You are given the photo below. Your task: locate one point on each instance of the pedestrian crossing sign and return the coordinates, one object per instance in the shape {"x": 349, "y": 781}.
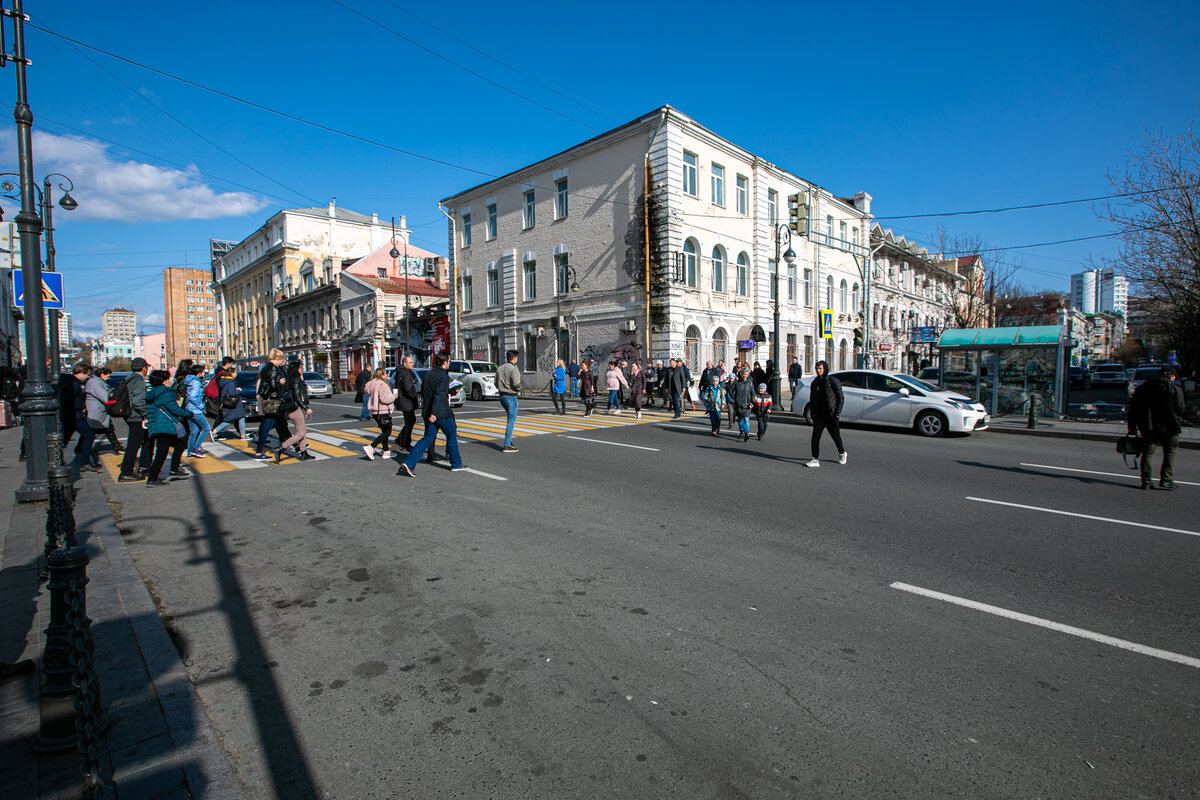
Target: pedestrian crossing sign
{"x": 52, "y": 289}
{"x": 825, "y": 323}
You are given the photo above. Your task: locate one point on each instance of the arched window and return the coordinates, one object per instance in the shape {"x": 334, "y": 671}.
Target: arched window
{"x": 692, "y": 348}
{"x": 720, "y": 341}
{"x": 829, "y": 293}
{"x": 743, "y": 276}
{"x": 690, "y": 249}
{"x": 842, "y": 350}
{"x": 718, "y": 269}
{"x": 842, "y": 289}
{"x": 855, "y": 305}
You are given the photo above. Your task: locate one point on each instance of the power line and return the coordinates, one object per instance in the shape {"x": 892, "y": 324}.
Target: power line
{"x": 1032, "y": 205}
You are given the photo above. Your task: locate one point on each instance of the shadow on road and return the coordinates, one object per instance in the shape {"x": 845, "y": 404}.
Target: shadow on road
{"x": 1075, "y": 478}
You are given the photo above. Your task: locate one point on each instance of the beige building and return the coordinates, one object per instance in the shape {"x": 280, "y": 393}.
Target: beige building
{"x": 298, "y": 249}
{"x": 190, "y": 309}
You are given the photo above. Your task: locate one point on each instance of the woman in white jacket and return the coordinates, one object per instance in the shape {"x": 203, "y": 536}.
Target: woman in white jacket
{"x": 381, "y": 402}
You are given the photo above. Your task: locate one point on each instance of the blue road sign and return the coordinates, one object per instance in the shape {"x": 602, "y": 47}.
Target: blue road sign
{"x": 52, "y": 289}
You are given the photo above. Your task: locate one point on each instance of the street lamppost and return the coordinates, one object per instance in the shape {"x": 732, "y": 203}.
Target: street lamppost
{"x": 68, "y": 203}
{"x": 567, "y": 273}
{"x": 395, "y": 254}
{"x": 783, "y": 235}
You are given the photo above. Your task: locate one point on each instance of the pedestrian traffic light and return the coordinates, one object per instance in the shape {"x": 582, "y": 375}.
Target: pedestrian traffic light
{"x": 858, "y": 338}
{"x": 798, "y": 213}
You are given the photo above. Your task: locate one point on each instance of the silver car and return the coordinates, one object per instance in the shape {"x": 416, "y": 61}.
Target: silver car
{"x": 878, "y": 397}
{"x": 318, "y": 384}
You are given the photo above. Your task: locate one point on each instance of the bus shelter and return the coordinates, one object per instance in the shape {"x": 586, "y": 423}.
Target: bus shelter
{"x": 1003, "y": 367}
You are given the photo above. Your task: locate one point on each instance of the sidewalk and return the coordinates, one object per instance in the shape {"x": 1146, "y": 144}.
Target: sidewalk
{"x": 1097, "y": 431}
{"x": 159, "y": 743}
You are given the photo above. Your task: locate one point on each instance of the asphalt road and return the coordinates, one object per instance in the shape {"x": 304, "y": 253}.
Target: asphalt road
{"x": 647, "y": 611}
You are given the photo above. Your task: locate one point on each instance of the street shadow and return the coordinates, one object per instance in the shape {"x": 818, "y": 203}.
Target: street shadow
{"x": 1076, "y": 478}
{"x": 745, "y": 450}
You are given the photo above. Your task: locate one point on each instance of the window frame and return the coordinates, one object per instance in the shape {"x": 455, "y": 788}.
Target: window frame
{"x": 492, "y": 225}
{"x": 529, "y": 279}
{"x": 561, "y": 199}
{"x": 493, "y": 287}
{"x": 718, "y": 269}
{"x": 742, "y": 190}
{"x": 717, "y": 181}
{"x": 468, "y": 297}
{"x": 691, "y": 174}
{"x": 691, "y": 258}
{"x": 743, "y": 277}
{"x": 529, "y": 209}
{"x": 466, "y": 231}
{"x": 772, "y": 207}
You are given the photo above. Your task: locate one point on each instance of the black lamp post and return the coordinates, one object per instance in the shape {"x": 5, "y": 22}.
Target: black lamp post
{"x": 567, "y": 272}
{"x": 68, "y": 203}
{"x": 782, "y": 234}
{"x": 39, "y": 407}
{"x": 395, "y": 254}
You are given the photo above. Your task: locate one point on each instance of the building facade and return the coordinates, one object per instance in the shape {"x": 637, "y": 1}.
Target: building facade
{"x": 658, "y": 240}
{"x": 295, "y": 247}
{"x": 189, "y": 307}
{"x": 1100, "y": 291}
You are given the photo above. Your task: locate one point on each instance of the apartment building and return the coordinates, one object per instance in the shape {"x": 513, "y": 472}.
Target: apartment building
{"x": 189, "y": 307}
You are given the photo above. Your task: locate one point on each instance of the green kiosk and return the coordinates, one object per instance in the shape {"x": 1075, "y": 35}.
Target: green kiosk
{"x": 1002, "y": 367}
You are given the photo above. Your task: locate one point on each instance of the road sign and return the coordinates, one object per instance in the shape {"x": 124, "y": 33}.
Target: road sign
{"x": 52, "y": 289}
{"x": 825, "y": 320}
{"x": 885, "y": 347}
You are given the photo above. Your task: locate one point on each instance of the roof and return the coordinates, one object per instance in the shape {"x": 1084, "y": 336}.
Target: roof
{"x": 967, "y": 261}
{"x": 417, "y": 287}
{"x": 379, "y": 258}
{"x": 340, "y": 214}
{"x": 991, "y": 338}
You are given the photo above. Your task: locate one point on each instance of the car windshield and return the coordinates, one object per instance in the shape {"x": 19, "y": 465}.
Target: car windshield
{"x": 483, "y": 366}
{"x": 1147, "y": 374}
{"x": 1109, "y": 368}
{"x": 917, "y": 382}
{"x": 313, "y": 376}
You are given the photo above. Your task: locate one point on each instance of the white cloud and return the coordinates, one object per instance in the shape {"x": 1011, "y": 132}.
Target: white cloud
{"x": 114, "y": 189}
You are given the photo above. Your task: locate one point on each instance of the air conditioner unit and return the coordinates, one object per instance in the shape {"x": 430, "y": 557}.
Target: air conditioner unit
{"x": 540, "y": 331}
{"x": 560, "y": 322}
{"x": 629, "y": 326}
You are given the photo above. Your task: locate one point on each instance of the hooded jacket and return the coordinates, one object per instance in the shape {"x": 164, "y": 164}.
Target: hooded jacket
{"x": 825, "y": 394}
{"x": 162, "y": 409}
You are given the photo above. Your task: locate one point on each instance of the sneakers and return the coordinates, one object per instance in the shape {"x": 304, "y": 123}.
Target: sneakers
{"x": 638, "y": 414}
{"x": 197, "y": 454}
{"x": 405, "y": 469}
{"x": 1147, "y": 486}
{"x": 156, "y": 482}
{"x": 370, "y": 451}
{"x": 261, "y": 457}
{"x": 123, "y": 478}
{"x": 1166, "y": 486}
{"x": 508, "y": 448}
{"x": 461, "y": 468}
{"x": 178, "y": 475}
{"x": 841, "y": 458}
{"x": 212, "y": 435}
{"x": 812, "y": 462}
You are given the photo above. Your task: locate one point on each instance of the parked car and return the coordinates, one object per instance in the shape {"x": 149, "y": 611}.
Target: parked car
{"x": 1079, "y": 377}
{"x": 247, "y": 384}
{"x": 878, "y": 397}
{"x": 318, "y": 384}
{"x": 930, "y": 375}
{"x": 478, "y": 377}
{"x": 457, "y": 397}
{"x": 1108, "y": 375}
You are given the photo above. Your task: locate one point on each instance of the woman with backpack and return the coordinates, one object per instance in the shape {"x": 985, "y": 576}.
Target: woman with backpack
{"x": 229, "y": 398}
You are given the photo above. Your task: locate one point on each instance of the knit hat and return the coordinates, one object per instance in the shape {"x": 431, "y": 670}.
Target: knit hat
{"x": 762, "y": 387}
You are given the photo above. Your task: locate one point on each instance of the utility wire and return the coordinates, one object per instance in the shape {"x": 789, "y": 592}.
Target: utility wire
{"x": 1031, "y": 205}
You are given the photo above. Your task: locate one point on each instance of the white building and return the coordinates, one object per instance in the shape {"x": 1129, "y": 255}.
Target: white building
{"x": 1100, "y": 291}
{"x": 579, "y": 255}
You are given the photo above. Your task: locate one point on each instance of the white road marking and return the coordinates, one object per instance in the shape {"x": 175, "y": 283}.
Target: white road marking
{"x": 1132, "y": 475}
{"x": 1166, "y": 655}
{"x": 485, "y": 474}
{"x": 1085, "y": 516}
{"x": 697, "y": 427}
{"x": 601, "y": 441}
{"x": 333, "y": 440}
{"x": 232, "y": 455}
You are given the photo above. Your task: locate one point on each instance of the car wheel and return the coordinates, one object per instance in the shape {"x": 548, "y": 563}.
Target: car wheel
{"x": 808, "y": 414}
{"x": 931, "y": 423}
{"x": 476, "y": 392}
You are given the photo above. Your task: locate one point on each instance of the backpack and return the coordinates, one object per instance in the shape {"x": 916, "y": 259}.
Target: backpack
{"x": 119, "y": 403}
{"x": 212, "y": 391}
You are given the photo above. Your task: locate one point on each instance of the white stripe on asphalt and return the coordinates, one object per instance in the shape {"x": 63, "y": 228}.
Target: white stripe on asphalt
{"x": 1166, "y": 655}
{"x": 234, "y": 456}
{"x": 1131, "y": 475}
{"x": 601, "y": 441}
{"x": 1085, "y": 516}
{"x": 484, "y": 474}
{"x": 325, "y": 438}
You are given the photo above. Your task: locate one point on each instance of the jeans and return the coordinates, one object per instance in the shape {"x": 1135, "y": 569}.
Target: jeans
{"x": 677, "y": 404}
{"x": 199, "y": 428}
{"x": 574, "y": 387}
{"x": 614, "y": 399}
{"x": 164, "y": 443}
{"x": 365, "y": 413}
{"x": 510, "y": 408}
{"x": 264, "y": 428}
{"x": 762, "y": 425}
{"x": 239, "y": 425}
{"x": 447, "y": 427}
{"x": 714, "y": 418}
{"x": 83, "y": 448}
{"x": 830, "y": 424}
{"x": 744, "y": 425}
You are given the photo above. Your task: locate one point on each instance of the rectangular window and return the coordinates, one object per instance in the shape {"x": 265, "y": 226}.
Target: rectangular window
{"x": 842, "y": 229}
{"x": 468, "y": 301}
{"x": 791, "y": 348}
{"x": 491, "y": 221}
{"x": 773, "y": 207}
{"x": 530, "y": 280}
{"x": 560, "y": 199}
{"x": 689, "y": 174}
{"x": 808, "y": 355}
{"x": 854, "y": 235}
{"x": 562, "y": 274}
{"x": 718, "y": 185}
{"x": 772, "y": 268}
{"x": 530, "y": 352}
{"x": 493, "y": 287}
{"x": 466, "y": 228}
{"x": 743, "y": 194}
{"x": 791, "y": 283}
{"x": 530, "y": 210}
{"x": 808, "y": 288}
{"x": 829, "y": 225}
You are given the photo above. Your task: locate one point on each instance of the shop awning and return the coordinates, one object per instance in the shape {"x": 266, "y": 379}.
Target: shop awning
{"x": 999, "y": 338}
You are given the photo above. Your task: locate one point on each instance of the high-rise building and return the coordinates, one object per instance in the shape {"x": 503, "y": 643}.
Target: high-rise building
{"x": 190, "y": 309}
{"x": 1100, "y": 291}
{"x": 118, "y": 324}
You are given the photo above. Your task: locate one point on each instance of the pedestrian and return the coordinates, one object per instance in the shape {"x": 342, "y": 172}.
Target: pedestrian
{"x": 382, "y": 402}
{"x": 166, "y": 423}
{"x": 270, "y": 403}
{"x": 795, "y": 373}
{"x": 769, "y": 375}
{"x": 435, "y": 402}
{"x": 573, "y": 374}
{"x": 406, "y": 402}
{"x": 664, "y": 383}
{"x": 743, "y": 403}
{"x": 679, "y": 385}
{"x": 730, "y": 410}
{"x": 637, "y": 388}
{"x": 138, "y": 449}
{"x": 193, "y": 388}
{"x": 558, "y": 387}
{"x": 295, "y": 405}
{"x": 687, "y": 384}
{"x": 508, "y": 384}
{"x": 762, "y": 409}
{"x": 110, "y": 431}
{"x": 614, "y": 379}
{"x": 1154, "y": 411}
{"x": 758, "y": 375}
{"x": 229, "y": 400}
{"x": 77, "y": 402}
{"x": 825, "y": 404}
{"x": 651, "y": 378}
{"x": 360, "y": 380}
{"x": 587, "y": 389}
{"x": 96, "y": 394}
{"x": 705, "y": 374}
{"x": 713, "y": 397}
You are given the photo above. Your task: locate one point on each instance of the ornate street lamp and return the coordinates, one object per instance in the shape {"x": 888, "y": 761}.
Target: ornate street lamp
{"x": 783, "y": 234}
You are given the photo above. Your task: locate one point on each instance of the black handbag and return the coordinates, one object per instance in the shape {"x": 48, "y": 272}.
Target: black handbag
{"x": 1131, "y": 446}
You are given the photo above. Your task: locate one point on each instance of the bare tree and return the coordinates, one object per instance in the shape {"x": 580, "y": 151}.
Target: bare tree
{"x": 1158, "y": 220}
{"x": 988, "y": 272}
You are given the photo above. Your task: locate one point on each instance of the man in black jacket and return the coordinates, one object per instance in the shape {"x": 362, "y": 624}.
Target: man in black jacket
{"x": 1154, "y": 413}
{"x": 137, "y": 451}
{"x": 435, "y": 402}
{"x": 825, "y": 406}
{"x": 406, "y": 401}
{"x": 795, "y": 373}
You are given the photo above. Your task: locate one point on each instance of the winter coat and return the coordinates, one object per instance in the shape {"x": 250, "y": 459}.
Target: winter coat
{"x": 162, "y": 409}
{"x": 96, "y": 394}
{"x": 742, "y": 395}
{"x": 762, "y": 404}
{"x": 136, "y": 384}
{"x": 825, "y": 397}
{"x": 1155, "y": 408}
{"x": 795, "y": 372}
{"x": 380, "y": 399}
{"x": 713, "y": 397}
{"x": 229, "y": 388}
{"x": 586, "y": 387}
{"x": 678, "y": 380}
{"x": 615, "y": 379}
{"x": 637, "y": 383}
{"x": 194, "y": 390}
{"x": 559, "y": 381}
{"x": 406, "y": 390}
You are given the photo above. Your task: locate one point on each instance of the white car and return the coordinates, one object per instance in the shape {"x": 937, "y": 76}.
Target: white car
{"x": 478, "y": 377}
{"x": 318, "y": 384}
{"x": 457, "y": 394}
{"x": 878, "y": 397}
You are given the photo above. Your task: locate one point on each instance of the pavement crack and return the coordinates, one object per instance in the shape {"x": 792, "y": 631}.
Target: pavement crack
{"x": 791, "y": 695}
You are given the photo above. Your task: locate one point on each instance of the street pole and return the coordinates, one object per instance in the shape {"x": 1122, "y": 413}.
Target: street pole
{"x": 69, "y": 204}
{"x": 789, "y": 256}
{"x": 39, "y": 407}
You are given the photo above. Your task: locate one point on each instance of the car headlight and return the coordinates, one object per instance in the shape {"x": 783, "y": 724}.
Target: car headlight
{"x": 960, "y": 405}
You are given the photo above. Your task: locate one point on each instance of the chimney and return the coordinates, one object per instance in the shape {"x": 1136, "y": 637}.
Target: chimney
{"x": 333, "y": 208}
{"x": 374, "y": 218}
{"x": 862, "y": 201}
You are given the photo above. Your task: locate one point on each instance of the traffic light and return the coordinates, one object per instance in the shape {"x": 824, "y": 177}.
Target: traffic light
{"x": 858, "y": 338}
{"x": 798, "y": 213}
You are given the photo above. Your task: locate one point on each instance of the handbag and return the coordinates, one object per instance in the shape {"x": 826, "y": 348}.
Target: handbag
{"x": 1131, "y": 446}
{"x": 270, "y": 405}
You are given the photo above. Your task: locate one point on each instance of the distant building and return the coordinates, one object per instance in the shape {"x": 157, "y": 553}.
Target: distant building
{"x": 190, "y": 309}
{"x": 153, "y": 348}
{"x": 1100, "y": 291}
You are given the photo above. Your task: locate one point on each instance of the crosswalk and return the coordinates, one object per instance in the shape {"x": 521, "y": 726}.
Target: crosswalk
{"x": 227, "y": 455}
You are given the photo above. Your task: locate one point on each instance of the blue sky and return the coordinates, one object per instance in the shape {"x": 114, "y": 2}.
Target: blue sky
{"x": 930, "y": 107}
